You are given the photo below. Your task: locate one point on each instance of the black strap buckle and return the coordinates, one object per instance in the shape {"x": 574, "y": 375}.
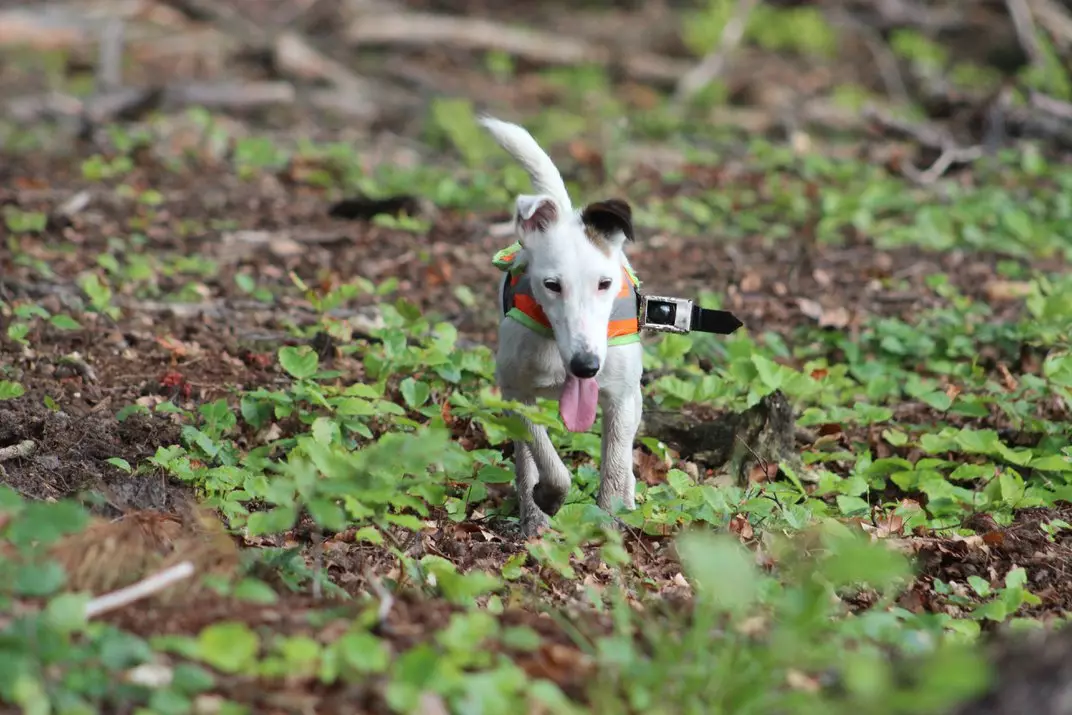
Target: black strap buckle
{"x": 680, "y": 315}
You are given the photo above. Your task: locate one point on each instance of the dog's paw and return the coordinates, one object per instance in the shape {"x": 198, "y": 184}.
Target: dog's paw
{"x": 548, "y": 499}
{"x": 534, "y": 525}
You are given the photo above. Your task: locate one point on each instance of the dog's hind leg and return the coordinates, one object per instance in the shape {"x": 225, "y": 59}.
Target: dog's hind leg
{"x": 621, "y": 421}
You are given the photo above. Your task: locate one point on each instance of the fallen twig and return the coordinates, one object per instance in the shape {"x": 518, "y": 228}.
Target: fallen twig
{"x": 1055, "y": 19}
{"x": 927, "y": 135}
{"x": 18, "y": 451}
{"x": 387, "y": 601}
{"x": 78, "y": 364}
{"x": 294, "y": 54}
{"x": 931, "y": 137}
{"x": 137, "y": 591}
{"x": 133, "y": 102}
{"x": 422, "y": 29}
{"x": 711, "y": 66}
{"x": 1054, "y": 107}
{"x": 74, "y": 205}
{"x": 885, "y": 61}
{"x": 949, "y": 156}
{"x": 895, "y": 14}
{"x": 73, "y": 24}
{"x": 1024, "y": 24}
{"x": 110, "y": 56}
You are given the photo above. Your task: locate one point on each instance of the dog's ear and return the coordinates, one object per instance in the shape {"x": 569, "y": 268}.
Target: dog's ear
{"x": 535, "y": 213}
{"x": 609, "y": 217}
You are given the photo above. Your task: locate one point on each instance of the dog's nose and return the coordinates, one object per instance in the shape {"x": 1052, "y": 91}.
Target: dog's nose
{"x": 584, "y": 365}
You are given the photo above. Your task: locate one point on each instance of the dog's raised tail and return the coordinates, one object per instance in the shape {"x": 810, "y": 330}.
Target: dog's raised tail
{"x": 521, "y": 145}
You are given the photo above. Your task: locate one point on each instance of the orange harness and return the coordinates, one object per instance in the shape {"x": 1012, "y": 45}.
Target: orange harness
{"x": 518, "y": 301}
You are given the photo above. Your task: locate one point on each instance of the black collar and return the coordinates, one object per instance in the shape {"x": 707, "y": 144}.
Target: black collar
{"x": 681, "y": 315}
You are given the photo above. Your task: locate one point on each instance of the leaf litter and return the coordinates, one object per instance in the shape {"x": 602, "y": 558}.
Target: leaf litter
{"x": 281, "y": 225}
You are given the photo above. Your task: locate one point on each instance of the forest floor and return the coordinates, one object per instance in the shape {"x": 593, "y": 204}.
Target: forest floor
{"x": 259, "y": 339}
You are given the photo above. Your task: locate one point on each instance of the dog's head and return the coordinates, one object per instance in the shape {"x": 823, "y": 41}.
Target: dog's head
{"x": 574, "y": 262}
{"x": 574, "y": 258}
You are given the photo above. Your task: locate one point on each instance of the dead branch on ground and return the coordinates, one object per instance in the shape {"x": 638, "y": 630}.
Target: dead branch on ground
{"x": 142, "y": 589}
{"x": 293, "y": 53}
{"x": 130, "y": 103}
{"x": 930, "y": 137}
{"x": 711, "y": 66}
{"x": 421, "y": 29}
{"x": 1026, "y": 33}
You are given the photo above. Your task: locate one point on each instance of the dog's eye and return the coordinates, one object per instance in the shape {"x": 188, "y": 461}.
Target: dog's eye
{"x": 552, "y": 285}
{"x": 604, "y": 283}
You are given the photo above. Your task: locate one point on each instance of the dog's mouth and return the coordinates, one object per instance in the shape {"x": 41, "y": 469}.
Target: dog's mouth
{"x": 577, "y": 404}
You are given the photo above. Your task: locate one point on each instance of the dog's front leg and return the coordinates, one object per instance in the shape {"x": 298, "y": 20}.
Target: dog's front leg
{"x": 526, "y": 477}
{"x": 621, "y": 420}
{"x": 553, "y": 484}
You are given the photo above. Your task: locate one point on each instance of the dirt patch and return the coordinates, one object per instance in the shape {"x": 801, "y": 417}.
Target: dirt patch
{"x": 990, "y": 554}
{"x": 70, "y": 454}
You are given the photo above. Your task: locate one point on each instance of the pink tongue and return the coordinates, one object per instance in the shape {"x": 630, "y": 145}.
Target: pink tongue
{"x": 577, "y": 405}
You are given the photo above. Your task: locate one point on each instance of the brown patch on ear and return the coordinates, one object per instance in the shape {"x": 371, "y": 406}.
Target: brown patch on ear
{"x": 544, "y": 214}
{"x": 606, "y": 217}
{"x": 597, "y": 238}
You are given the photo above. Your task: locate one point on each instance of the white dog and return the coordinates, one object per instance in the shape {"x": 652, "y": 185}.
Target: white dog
{"x": 569, "y": 331}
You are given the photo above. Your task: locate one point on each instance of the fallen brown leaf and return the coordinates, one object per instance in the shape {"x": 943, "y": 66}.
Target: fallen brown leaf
{"x": 751, "y": 282}
{"x": 650, "y": 467}
{"x": 1003, "y": 290}
{"x": 740, "y": 526}
{"x": 994, "y": 538}
{"x": 800, "y": 681}
{"x": 762, "y": 472}
{"x": 1006, "y": 376}
{"x": 834, "y": 318}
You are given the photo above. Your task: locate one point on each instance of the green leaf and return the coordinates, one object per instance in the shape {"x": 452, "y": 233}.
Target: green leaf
{"x": 255, "y": 591}
{"x": 39, "y": 579}
{"x": 355, "y": 407}
{"x": 514, "y": 567}
{"x": 1052, "y": 463}
{"x": 300, "y": 362}
{"x": 937, "y": 399}
{"x": 324, "y": 430}
{"x": 67, "y": 612}
{"x": 120, "y": 463}
{"x": 414, "y": 392}
{"x": 520, "y": 638}
{"x": 10, "y": 390}
{"x": 678, "y": 480}
{"x": 852, "y": 506}
{"x": 273, "y": 521}
{"x": 723, "y": 571}
{"x": 363, "y": 652}
{"x": 491, "y": 474}
{"x": 228, "y": 647}
{"x": 770, "y": 373}
{"x": 64, "y": 322}
{"x": 1012, "y": 487}
{"x": 1018, "y": 223}
{"x": 1016, "y": 577}
{"x": 895, "y": 437}
{"x": 980, "y": 585}
{"x": 368, "y": 533}
{"x": 406, "y": 521}
{"x": 992, "y": 610}
{"x": 852, "y": 559}
{"x": 42, "y": 523}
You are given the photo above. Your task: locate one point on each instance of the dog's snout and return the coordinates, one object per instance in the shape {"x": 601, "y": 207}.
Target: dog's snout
{"x": 584, "y": 365}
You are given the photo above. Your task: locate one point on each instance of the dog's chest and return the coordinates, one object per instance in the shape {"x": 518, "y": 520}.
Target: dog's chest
{"x": 537, "y": 362}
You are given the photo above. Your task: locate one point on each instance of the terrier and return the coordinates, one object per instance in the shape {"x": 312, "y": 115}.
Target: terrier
{"x": 570, "y": 331}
